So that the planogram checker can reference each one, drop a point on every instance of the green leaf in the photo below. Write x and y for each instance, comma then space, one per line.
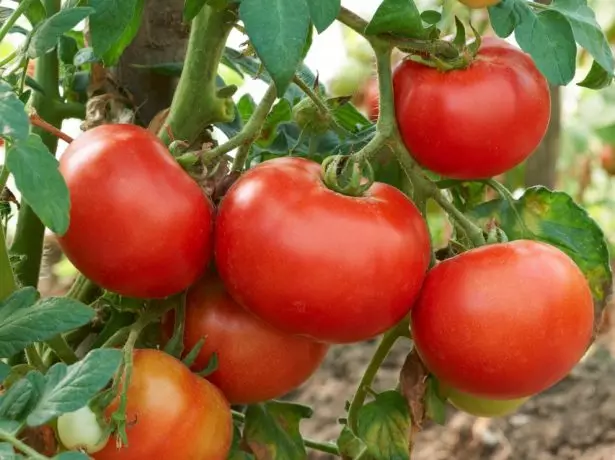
431, 16
607, 133
14, 123
17, 401
112, 56
5, 13
237, 453
5, 370
192, 8
46, 36
506, 15
68, 388
587, 31
22, 321
399, 17
384, 426
597, 77
554, 218
271, 430
67, 49
435, 405
85, 56
280, 113
9, 426
71, 456
548, 38
278, 30
246, 107
7, 452
37, 177
350, 446
109, 23
323, 12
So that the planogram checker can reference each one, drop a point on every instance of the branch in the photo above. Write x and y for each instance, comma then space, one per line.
36, 120
251, 129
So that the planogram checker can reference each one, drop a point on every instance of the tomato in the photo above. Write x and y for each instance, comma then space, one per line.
607, 159
80, 430
477, 122
504, 321
481, 407
139, 225
479, 3
171, 413
248, 349
313, 262
372, 99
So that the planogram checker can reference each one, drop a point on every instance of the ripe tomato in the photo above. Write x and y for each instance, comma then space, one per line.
607, 159
504, 321
313, 262
477, 122
171, 413
481, 407
479, 3
140, 226
242, 342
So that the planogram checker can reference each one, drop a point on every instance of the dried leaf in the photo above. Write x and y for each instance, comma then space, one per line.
413, 385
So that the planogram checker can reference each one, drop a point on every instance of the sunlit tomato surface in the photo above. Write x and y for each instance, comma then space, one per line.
477, 122
314, 262
480, 3
255, 361
504, 321
140, 226
607, 159
481, 407
172, 414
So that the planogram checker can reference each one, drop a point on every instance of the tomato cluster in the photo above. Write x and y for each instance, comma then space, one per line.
287, 266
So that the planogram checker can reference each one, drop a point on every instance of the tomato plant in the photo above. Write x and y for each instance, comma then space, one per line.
115, 173
306, 275
191, 417
216, 236
458, 123
511, 338
241, 341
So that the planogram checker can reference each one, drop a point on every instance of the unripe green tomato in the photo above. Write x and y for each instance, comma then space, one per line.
479, 3
309, 117
481, 407
81, 430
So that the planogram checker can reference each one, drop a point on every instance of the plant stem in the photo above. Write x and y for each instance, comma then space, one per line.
387, 342
25, 449
195, 103
312, 94
70, 110
10, 22
326, 447
435, 47
36, 120
7, 278
8, 59
510, 200
28, 242
34, 358
538, 6
83, 290
62, 350
251, 129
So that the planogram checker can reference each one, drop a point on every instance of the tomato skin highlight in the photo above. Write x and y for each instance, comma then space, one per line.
255, 361
140, 226
504, 321
171, 413
313, 262
477, 122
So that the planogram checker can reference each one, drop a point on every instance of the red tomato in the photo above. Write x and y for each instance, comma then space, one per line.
313, 262
504, 321
140, 226
607, 159
172, 414
255, 361
479, 3
477, 122
372, 99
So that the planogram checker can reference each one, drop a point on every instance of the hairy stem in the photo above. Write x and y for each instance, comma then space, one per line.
250, 131
28, 242
10, 22
7, 278
83, 290
312, 94
195, 103
386, 343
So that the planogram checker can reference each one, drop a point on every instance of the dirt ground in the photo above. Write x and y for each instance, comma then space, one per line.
574, 420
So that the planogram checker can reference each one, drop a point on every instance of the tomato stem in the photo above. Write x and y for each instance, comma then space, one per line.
510, 200
251, 129
12, 19
7, 277
21, 446
36, 120
83, 290
386, 343
62, 350
196, 103
312, 94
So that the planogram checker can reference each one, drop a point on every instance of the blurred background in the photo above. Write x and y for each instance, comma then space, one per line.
573, 420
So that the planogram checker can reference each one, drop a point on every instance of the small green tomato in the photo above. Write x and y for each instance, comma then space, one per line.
81, 430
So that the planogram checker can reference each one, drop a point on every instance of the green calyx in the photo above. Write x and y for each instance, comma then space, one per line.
347, 175
311, 118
